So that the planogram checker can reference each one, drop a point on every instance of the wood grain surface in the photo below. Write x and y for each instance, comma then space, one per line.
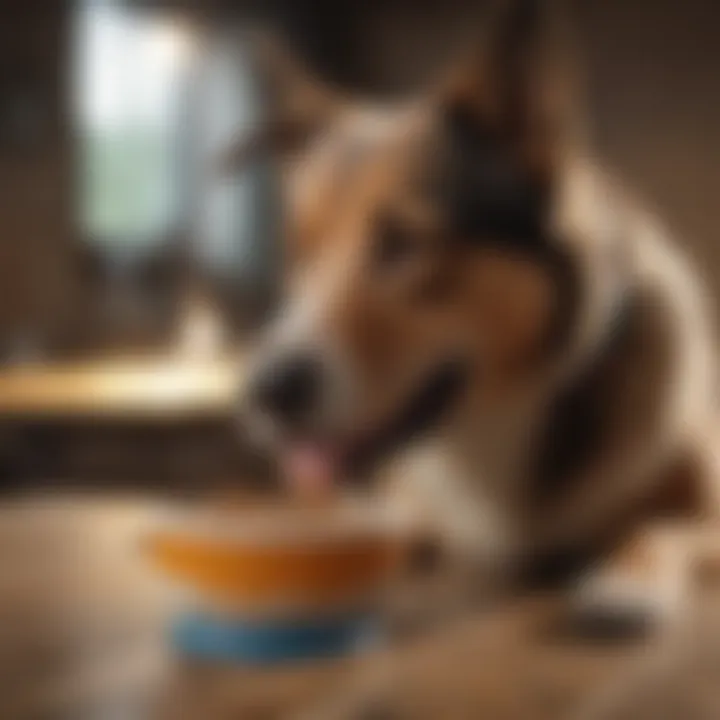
81, 635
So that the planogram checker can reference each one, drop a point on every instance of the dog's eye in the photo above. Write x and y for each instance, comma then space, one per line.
394, 243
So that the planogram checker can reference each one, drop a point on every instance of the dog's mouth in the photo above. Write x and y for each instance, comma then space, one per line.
317, 463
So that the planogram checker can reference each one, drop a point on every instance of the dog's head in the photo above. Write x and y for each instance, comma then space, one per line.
422, 260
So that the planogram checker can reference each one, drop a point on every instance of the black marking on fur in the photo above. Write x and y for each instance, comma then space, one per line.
418, 416
484, 191
573, 430
554, 570
489, 199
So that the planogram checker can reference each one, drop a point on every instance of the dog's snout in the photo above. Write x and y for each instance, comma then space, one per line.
289, 388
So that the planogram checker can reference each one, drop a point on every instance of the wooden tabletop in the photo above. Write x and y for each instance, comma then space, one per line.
81, 632
158, 386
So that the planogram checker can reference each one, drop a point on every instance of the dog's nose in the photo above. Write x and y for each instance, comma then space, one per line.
289, 388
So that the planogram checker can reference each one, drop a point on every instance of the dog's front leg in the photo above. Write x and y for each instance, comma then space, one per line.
648, 576
459, 555
643, 585
439, 584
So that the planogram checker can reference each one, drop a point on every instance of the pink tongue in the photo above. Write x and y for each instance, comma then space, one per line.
309, 469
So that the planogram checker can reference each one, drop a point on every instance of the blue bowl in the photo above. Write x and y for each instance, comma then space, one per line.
272, 642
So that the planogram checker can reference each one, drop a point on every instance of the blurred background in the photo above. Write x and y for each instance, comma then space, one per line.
116, 242
130, 279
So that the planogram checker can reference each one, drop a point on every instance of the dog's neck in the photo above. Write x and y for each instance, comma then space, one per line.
495, 431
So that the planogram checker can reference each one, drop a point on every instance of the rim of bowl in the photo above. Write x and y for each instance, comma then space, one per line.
277, 524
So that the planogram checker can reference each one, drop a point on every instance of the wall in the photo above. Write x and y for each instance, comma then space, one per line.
35, 168
655, 81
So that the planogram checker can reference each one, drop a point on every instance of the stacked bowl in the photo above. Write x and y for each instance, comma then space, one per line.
269, 583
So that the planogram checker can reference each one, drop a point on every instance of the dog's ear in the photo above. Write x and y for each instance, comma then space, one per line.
295, 105
516, 80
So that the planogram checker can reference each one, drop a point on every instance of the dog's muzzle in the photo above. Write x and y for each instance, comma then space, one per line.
290, 392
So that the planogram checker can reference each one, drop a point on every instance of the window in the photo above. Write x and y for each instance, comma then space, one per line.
131, 77
157, 100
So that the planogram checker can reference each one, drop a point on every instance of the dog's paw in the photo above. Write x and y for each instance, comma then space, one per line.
606, 608
637, 591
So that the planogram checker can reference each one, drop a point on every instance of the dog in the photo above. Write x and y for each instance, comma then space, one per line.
480, 317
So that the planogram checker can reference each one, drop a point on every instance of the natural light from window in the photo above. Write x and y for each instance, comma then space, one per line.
131, 76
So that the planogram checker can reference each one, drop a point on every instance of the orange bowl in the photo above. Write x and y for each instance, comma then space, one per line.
269, 558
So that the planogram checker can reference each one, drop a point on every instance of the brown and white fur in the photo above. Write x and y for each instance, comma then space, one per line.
472, 225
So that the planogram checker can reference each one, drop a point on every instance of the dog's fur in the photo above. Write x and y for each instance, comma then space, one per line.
473, 226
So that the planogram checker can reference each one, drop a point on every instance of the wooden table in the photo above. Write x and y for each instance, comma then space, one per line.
146, 387
81, 620
159, 420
